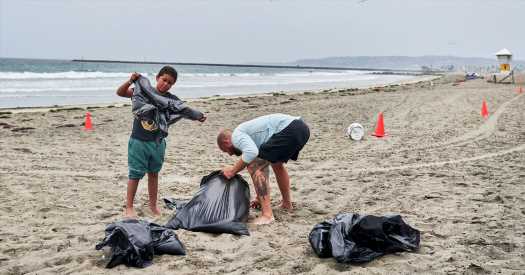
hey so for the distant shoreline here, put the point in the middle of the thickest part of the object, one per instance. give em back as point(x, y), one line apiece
point(390, 71)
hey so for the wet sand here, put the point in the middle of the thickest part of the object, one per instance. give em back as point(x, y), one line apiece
point(455, 176)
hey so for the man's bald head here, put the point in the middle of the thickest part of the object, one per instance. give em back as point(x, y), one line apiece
point(224, 141)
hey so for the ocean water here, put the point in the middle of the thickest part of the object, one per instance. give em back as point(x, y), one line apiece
point(40, 83)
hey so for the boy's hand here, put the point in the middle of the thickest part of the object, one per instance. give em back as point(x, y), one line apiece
point(202, 119)
point(134, 76)
point(228, 172)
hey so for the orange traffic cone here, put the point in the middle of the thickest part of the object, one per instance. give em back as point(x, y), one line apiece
point(87, 123)
point(484, 109)
point(380, 128)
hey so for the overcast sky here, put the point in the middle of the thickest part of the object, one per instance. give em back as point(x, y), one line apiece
point(239, 31)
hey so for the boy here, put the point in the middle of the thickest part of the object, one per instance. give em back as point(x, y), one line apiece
point(146, 146)
point(267, 140)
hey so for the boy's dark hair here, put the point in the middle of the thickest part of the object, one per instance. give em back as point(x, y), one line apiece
point(169, 70)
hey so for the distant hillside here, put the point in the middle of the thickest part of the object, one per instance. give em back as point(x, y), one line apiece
point(447, 63)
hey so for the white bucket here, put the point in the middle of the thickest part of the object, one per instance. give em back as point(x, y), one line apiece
point(355, 131)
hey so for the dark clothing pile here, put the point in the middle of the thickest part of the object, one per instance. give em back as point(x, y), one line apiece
point(156, 111)
point(352, 238)
point(220, 206)
point(134, 243)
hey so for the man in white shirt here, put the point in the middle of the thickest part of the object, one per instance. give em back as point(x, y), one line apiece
point(267, 140)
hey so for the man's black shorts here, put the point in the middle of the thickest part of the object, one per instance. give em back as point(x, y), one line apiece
point(286, 144)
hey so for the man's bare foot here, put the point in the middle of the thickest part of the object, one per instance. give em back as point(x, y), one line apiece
point(287, 206)
point(155, 211)
point(263, 220)
point(255, 204)
point(129, 213)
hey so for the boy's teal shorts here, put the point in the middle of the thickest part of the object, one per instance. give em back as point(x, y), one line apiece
point(145, 157)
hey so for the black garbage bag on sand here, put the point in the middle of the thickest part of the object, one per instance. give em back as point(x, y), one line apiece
point(174, 204)
point(352, 238)
point(220, 206)
point(134, 242)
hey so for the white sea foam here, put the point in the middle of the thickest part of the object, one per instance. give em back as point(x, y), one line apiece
point(55, 89)
point(50, 95)
point(60, 75)
point(125, 75)
point(268, 82)
point(30, 82)
point(18, 89)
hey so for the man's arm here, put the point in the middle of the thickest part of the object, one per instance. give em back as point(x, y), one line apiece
point(239, 166)
point(249, 153)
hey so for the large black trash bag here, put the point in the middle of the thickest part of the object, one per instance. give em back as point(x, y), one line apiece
point(220, 206)
point(351, 238)
point(174, 204)
point(134, 242)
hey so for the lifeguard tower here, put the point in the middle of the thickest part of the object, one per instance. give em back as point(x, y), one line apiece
point(504, 57)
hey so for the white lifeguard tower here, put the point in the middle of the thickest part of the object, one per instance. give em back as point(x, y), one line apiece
point(504, 57)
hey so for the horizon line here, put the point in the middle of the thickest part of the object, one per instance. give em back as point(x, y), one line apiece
point(260, 66)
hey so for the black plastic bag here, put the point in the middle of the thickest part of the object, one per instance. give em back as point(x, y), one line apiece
point(351, 238)
point(174, 204)
point(134, 243)
point(220, 206)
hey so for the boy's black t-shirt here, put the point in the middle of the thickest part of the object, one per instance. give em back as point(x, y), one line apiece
point(145, 128)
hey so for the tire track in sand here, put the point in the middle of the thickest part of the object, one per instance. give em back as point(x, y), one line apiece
point(442, 163)
point(484, 131)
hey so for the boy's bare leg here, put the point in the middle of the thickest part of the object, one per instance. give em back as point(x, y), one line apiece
point(130, 197)
point(283, 181)
point(259, 172)
point(153, 189)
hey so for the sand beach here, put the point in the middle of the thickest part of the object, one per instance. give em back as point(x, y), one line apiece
point(457, 177)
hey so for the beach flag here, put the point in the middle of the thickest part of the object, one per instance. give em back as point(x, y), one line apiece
point(484, 109)
point(87, 124)
point(380, 127)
